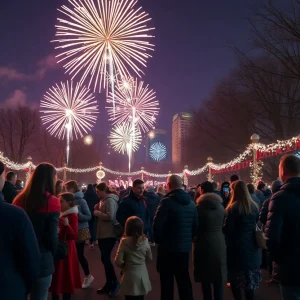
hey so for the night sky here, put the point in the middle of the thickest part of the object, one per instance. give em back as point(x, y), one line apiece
point(193, 51)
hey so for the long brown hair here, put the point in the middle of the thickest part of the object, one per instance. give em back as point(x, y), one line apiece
point(134, 227)
point(103, 187)
point(41, 181)
point(240, 196)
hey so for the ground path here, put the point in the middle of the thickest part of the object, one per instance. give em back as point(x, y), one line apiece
point(265, 292)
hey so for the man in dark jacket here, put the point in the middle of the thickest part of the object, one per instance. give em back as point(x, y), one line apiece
point(20, 256)
point(283, 227)
point(175, 225)
point(9, 189)
point(134, 205)
point(152, 201)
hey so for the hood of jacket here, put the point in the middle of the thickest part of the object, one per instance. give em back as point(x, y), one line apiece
point(112, 196)
point(292, 185)
point(209, 201)
point(141, 244)
point(179, 196)
point(79, 195)
point(71, 210)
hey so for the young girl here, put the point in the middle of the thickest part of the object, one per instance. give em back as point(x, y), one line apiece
point(67, 276)
point(134, 250)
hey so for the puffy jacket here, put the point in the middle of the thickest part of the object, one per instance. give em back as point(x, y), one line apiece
point(283, 231)
point(133, 206)
point(45, 224)
point(242, 251)
point(84, 214)
point(152, 201)
point(176, 222)
point(20, 256)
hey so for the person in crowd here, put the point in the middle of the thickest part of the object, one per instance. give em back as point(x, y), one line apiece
point(283, 227)
point(91, 199)
point(264, 189)
point(19, 185)
point(161, 192)
point(234, 178)
point(20, 255)
point(9, 190)
point(84, 216)
point(133, 253)
point(122, 192)
point(259, 194)
point(225, 193)
point(59, 187)
point(215, 186)
point(275, 187)
point(243, 255)
point(43, 209)
point(134, 205)
point(66, 278)
point(192, 192)
point(174, 227)
point(106, 212)
point(251, 190)
point(209, 248)
point(152, 201)
point(197, 193)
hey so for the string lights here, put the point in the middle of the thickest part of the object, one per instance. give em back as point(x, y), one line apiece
point(262, 150)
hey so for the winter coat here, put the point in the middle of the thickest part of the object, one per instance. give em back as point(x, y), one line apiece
point(256, 200)
point(133, 206)
point(91, 199)
point(66, 278)
point(242, 251)
point(260, 197)
point(84, 214)
point(45, 223)
point(9, 192)
point(283, 231)
point(263, 215)
point(209, 248)
point(106, 216)
point(20, 255)
point(152, 201)
point(176, 222)
point(132, 260)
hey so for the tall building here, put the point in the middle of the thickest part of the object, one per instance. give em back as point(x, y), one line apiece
point(181, 125)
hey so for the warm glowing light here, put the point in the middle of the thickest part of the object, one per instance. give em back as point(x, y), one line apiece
point(67, 107)
point(138, 106)
point(151, 134)
point(124, 140)
point(103, 37)
point(88, 140)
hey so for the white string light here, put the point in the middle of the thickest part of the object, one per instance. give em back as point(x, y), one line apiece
point(289, 145)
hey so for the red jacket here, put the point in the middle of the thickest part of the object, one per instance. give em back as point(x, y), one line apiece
point(66, 278)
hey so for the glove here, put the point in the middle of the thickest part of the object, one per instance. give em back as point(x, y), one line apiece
point(66, 222)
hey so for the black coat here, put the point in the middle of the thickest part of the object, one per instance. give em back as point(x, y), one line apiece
point(209, 248)
point(283, 231)
point(263, 215)
point(242, 251)
point(9, 192)
point(152, 201)
point(91, 199)
point(133, 206)
point(176, 222)
point(19, 253)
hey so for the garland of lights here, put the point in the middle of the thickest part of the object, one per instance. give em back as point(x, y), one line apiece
point(256, 173)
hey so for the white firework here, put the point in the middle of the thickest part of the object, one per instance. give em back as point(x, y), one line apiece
point(158, 151)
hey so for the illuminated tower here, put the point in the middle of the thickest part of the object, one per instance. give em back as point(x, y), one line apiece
point(181, 125)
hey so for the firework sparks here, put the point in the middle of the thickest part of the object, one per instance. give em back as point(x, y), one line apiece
point(137, 106)
point(103, 37)
point(122, 138)
point(68, 111)
point(158, 151)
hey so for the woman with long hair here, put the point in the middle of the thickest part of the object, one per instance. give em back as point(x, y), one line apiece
point(133, 253)
point(243, 254)
point(106, 212)
point(43, 209)
point(84, 216)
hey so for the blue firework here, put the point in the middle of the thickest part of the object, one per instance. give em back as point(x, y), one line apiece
point(158, 151)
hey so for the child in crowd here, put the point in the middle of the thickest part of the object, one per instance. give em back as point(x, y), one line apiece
point(133, 253)
point(67, 276)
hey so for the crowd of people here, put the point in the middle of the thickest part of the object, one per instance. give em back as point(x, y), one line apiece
point(46, 226)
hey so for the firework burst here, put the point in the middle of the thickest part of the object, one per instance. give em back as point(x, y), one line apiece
point(137, 106)
point(100, 37)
